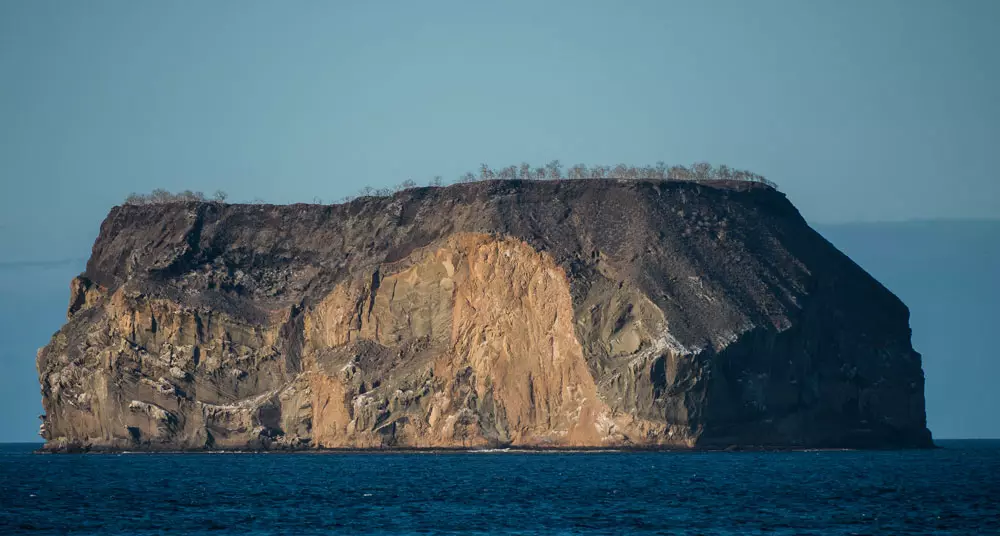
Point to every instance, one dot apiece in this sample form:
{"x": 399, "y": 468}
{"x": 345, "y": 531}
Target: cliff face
{"x": 550, "y": 314}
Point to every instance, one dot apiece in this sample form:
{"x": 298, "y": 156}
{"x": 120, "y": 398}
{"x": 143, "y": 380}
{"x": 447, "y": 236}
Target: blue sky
{"x": 860, "y": 110}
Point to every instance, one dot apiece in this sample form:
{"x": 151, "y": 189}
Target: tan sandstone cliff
{"x": 541, "y": 314}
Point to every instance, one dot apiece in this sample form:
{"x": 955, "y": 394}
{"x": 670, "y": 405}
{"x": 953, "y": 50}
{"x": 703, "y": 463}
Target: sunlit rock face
{"x": 503, "y": 313}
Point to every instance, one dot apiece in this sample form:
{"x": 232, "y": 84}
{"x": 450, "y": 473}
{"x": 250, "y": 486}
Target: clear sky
{"x": 861, "y": 110}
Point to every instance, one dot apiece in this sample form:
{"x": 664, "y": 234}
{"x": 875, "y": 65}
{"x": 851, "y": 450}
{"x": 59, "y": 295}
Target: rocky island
{"x": 537, "y": 314}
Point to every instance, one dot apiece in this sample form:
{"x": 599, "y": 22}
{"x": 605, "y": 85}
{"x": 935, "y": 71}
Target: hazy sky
{"x": 860, "y": 110}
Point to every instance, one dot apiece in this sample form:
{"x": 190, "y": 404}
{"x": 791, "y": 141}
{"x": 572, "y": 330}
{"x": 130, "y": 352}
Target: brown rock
{"x": 536, "y": 314}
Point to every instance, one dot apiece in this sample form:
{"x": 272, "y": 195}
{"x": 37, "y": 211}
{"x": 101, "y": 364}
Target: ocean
{"x": 951, "y": 490}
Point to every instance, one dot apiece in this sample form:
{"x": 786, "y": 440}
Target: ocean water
{"x": 951, "y": 490}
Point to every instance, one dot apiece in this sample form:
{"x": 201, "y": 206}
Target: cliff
{"x": 544, "y": 314}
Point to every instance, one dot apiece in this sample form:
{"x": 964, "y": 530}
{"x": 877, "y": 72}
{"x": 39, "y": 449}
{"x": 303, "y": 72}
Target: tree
{"x": 524, "y": 172}
{"x": 485, "y": 173}
{"x": 723, "y": 172}
{"x": 187, "y": 196}
{"x": 620, "y": 172}
{"x": 219, "y": 196}
{"x": 660, "y": 171}
{"x": 702, "y": 170}
{"x": 554, "y": 170}
{"x": 508, "y": 173}
{"x": 160, "y": 195}
{"x": 678, "y": 173}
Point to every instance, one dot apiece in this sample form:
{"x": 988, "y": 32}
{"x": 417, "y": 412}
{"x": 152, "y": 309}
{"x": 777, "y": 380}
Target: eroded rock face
{"x": 553, "y": 314}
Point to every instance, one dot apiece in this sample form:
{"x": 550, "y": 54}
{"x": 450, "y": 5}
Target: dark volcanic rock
{"x": 563, "y": 313}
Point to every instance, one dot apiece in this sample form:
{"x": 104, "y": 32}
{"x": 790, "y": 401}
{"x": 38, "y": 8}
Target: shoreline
{"x": 482, "y": 450}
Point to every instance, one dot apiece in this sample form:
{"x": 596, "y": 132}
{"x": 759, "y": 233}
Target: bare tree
{"x": 485, "y": 173}
{"x": 702, "y": 170}
{"x": 160, "y": 195}
{"x": 554, "y": 170}
{"x": 678, "y": 173}
{"x": 723, "y": 172}
{"x": 187, "y": 196}
{"x": 524, "y": 171}
{"x": 508, "y": 173}
{"x": 659, "y": 171}
{"x": 619, "y": 172}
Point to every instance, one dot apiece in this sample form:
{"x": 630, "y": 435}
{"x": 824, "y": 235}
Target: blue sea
{"x": 951, "y": 490}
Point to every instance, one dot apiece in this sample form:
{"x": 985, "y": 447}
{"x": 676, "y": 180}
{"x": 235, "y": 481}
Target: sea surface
{"x": 951, "y": 490}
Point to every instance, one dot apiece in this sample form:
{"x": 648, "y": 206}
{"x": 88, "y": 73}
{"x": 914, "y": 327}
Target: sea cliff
{"x": 587, "y": 313}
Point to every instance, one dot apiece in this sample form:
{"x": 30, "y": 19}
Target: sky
{"x": 861, "y": 111}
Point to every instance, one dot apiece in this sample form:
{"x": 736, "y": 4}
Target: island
{"x": 558, "y": 314}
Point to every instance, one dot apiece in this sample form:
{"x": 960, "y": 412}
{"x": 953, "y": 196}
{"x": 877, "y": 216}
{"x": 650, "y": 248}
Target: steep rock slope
{"x": 545, "y": 314}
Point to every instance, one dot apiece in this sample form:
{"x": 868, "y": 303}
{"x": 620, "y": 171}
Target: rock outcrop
{"x": 503, "y": 313}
